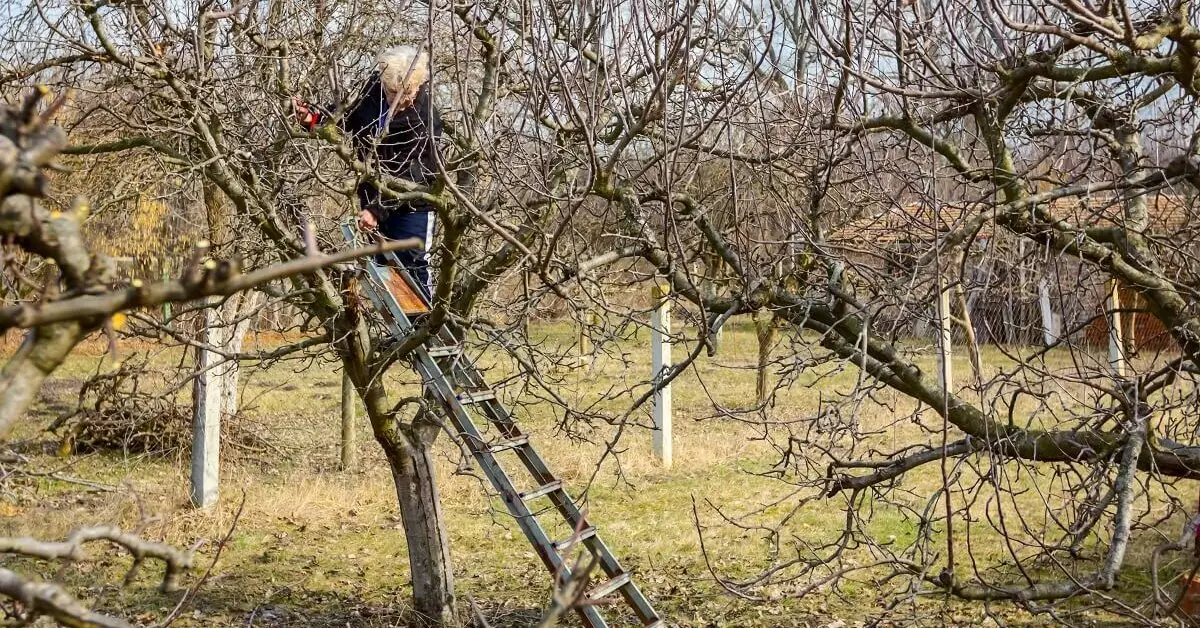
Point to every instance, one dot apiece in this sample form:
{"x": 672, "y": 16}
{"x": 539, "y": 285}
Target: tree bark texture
{"x": 42, "y": 351}
{"x": 425, "y": 531}
{"x": 408, "y": 448}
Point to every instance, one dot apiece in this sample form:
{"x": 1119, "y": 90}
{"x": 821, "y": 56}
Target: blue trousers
{"x": 416, "y": 224}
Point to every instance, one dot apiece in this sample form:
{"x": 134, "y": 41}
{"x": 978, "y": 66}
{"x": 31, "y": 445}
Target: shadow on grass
{"x": 226, "y": 603}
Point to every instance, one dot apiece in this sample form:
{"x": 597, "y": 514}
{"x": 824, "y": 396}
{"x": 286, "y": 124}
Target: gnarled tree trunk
{"x": 408, "y": 448}
{"x": 424, "y": 526}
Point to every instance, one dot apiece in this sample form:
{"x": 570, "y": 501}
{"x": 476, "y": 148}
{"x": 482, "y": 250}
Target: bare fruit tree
{"x": 835, "y": 168}
{"x": 74, "y": 293}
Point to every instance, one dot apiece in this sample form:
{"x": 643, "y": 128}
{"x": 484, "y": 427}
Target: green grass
{"x": 314, "y": 546}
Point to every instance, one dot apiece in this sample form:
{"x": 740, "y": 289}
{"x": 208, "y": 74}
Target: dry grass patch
{"x": 319, "y": 547}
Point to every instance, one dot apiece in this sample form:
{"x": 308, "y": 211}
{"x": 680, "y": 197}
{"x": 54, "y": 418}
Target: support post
{"x": 525, "y": 305}
{"x": 1116, "y": 342}
{"x": 207, "y": 397}
{"x": 1049, "y": 320}
{"x": 1131, "y": 332}
{"x": 349, "y": 437}
{"x": 945, "y": 326}
{"x": 660, "y": 363}
{"x": 586, "y": 322}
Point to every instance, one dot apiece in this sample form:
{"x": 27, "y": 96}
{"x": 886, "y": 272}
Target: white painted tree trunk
{"x": 1116, "y": 340}
{"x": 237, "y": 308}
{"x": 945, "y": 338}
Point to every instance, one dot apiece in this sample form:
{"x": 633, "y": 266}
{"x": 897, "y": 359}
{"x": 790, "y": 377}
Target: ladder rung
{"x": 574, "y": 539}
{"x": 447, "y": 367}
{"x": 476, "y": 396}
{"x": 544, "y": 489}
{"x": 505, "y": 445}
{"x": 445, "y": 351}
{"x": 608, "y": 587}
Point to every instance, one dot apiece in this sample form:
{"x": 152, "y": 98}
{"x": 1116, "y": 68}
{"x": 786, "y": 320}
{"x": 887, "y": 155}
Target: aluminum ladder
{"x": 452, "y": 378}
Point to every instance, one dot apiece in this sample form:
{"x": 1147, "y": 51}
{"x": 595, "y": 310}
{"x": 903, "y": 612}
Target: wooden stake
{"x": 586, "y": 322}
{"x": 349, "y": 437}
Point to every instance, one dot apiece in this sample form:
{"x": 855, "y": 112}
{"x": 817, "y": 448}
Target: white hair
{"x": 402, "y": 71}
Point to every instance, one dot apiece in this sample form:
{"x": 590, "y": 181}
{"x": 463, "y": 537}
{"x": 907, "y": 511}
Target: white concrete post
{"x": 660, "y": 363}
{"x": 1116, "y": 341}
{"x": 1049, "y": 319}
{"x": 945, "y": 326}
{"x": 207, "y": 401}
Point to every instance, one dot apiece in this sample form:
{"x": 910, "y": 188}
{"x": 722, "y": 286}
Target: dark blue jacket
{"x": 408, "y": 149}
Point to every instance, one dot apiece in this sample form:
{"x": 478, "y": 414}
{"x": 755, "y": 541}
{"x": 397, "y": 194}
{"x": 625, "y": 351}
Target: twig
{"x": 44, "y": 598}
{"x": 72, "y": 550}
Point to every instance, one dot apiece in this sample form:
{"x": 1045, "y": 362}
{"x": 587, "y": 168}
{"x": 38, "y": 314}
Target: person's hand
{"x": 367, "y": 220}
{"x": 304, "y": 114}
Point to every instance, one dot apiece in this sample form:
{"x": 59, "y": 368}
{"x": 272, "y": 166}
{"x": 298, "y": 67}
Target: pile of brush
{"x": 136, "y": 409}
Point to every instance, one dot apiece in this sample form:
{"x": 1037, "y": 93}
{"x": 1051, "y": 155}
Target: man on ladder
{"x": 393, "y": 123}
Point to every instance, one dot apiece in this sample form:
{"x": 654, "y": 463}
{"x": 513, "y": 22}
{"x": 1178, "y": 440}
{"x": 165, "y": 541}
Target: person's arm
{"x": 354, "y": 120}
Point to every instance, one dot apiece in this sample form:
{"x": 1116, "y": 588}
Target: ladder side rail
{"x": 465, "y": 426}
{"x": 397, "y": 312}
{"x": 467, "y": 372}
{"x": 533, "y": 461}
{"x": 432, "y": 374}
{"x": 374, "y": 272}
{"x": 563, "y": 502}
{"x": 375, "y": 269}
{"x": 373, "y": 295}
{"x": 499, "y": 479}
{"x": 419, "y": 290}
{"x": 497, "y": 414}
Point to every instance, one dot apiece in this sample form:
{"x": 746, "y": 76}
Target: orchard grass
{"x": 318, "y": 546}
